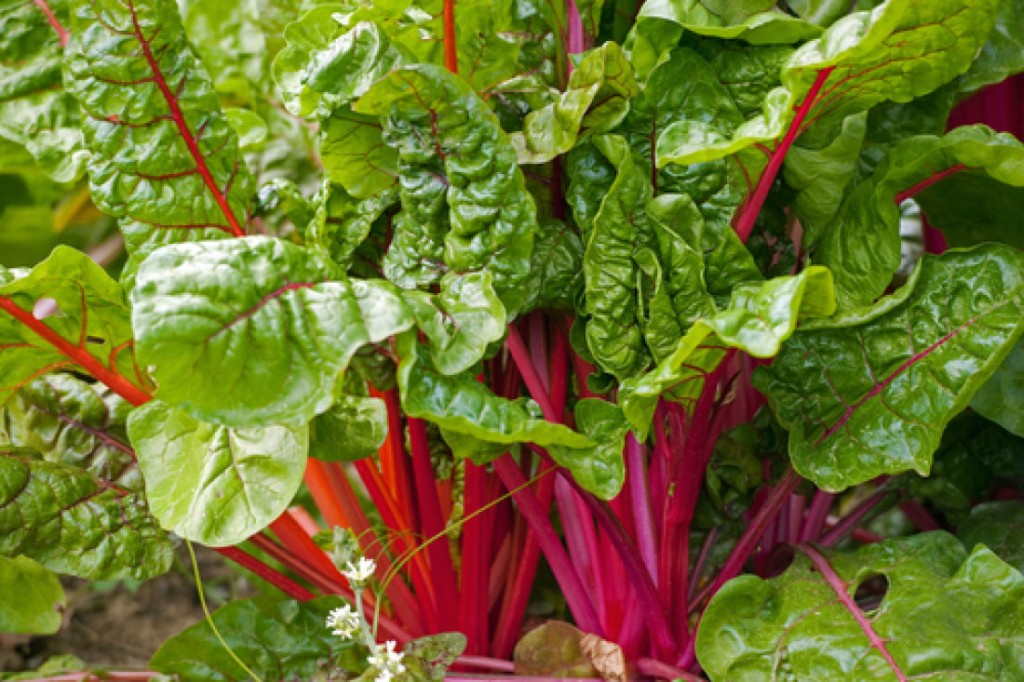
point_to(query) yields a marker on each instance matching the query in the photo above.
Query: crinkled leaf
(870, 391)
(897, 51)
(342, 224)
(77, 301)
(556, 265)
(215, 484)
(599, 469)
(73, 522)
(757, 321)
(165, 160)
(463, 195)
(945, 615)
(460, 322)
(1001, 398)
(355, 156)
(35, 598)
(35, 112)
(595, 100)
(999, 526)
(862, 246)
(430, 657)
(461, 404)
(355, 427)
(69, 421)
(278, 640)
(253, 331)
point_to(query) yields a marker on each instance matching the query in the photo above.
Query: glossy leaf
(214, 484)
(355, 155)
(556, 265)
(600, 469)
(757, 321)
(74, 522)
(463, 405)
(862, 246)
(253, 331)
(80, 305)
(165, 160)
(355, 427)
(35, 597)
(35, 111)
(896, 51)
(871, 390)
(463, 195)
(71, 422)
(1000, 397)
(1003, 54)
(595, 100)
(278, 639)
(999, 526)
(945, 615)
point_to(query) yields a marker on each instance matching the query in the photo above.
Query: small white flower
(344, 622)
(359, 574)
(387, 661)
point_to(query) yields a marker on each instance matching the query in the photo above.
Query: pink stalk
(816, 515)
(535, 514)
(441, 567)
(698, 568)
(747, 216)
(640, 498)
(919, 516)
(475, 576)
(849, 522)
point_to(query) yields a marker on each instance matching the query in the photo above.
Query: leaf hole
(871, 592)
(44, 308)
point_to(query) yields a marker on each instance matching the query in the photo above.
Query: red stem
(640, 499)
(928, 182)
(62, 33)
(79, 355)
(662, 671)
(849, 522)
(451, 56)
(815, 520)
(919, 516)
(744, 224)
(841, 590)
(475, 567)
(254, 565)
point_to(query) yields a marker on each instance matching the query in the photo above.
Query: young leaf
(463, 194)
(40, 598)
(463, 405)
(67, 311)
(74, 522)
(165, 161)
(944, 615)
(870, 391)
(69, 421)
(277, 639)
(757, 320)
(254, 331)
(214, 484)
(355, 427)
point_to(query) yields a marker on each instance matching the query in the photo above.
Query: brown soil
(119, 627)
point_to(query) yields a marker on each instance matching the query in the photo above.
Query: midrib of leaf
(220, 196)
(842, 594)
(275, 294)
(54, 21)
(907, 364)
(934, 178)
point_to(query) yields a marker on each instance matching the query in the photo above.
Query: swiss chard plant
(434, 314)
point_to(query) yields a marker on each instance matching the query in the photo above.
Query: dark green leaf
(1003, 54)
(74, 522)
(1000, 398)
(999, 526)
(871, 390)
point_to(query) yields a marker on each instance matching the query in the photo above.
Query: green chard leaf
(40, 598)
(1001, 398)
(278, 639)
(758, 319)
(214, 484)
(464, 198)
(254, 331)
(165, 160)
(72, 521)
(970, 183)
(68, 421)
(599, 469)
(460, 404)
(897, 51)
(354, 428)
(1003, 54)
(595, 100)
(945, 615)
(870, 391)
(556, 265)
(82, 313)
(355, 155)
(35, 111)
(999, 526)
